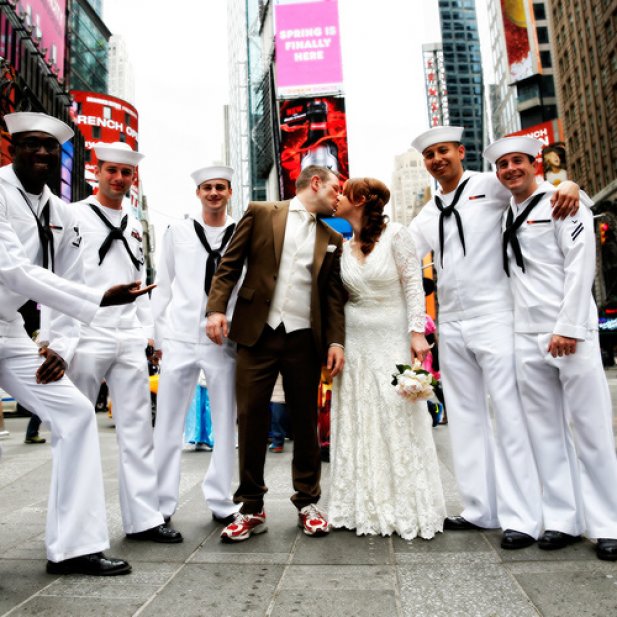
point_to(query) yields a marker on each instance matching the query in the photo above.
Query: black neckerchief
(214, 255)
(445, 212)
(46, 235)
(115, 233)
(509, 234)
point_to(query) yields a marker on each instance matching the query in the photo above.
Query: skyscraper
(463, 68)
(585, 60)
(410, 180)
(505, 117)
(237, 112)
(88, 37)
(121, 75)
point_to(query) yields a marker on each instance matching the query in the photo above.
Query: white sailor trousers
(117, 355)
(568, 407)
(494, 468)
(179, 374)
(76, 518)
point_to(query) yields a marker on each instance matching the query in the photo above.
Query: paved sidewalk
(283, 572)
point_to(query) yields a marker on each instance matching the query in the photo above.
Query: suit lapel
(321, 246)
(279, 222)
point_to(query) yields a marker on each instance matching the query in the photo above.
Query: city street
(283, 572)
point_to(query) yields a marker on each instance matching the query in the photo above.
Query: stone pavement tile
(88, 595)
(570, 588)
(580, 551)
(328, 603)
(45, 606)
(461, 591)
(20, 579)
(448, 547)
(335, 578)
(218, 590)
(270, 547)
(342, 547)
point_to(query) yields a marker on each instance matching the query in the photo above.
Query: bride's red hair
(376, 195)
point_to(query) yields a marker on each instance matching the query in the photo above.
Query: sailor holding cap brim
(43, 230)
(112, 347)
(495, 472)
(189, 257)
(551, 267)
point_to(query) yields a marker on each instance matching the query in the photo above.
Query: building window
(539, 12)
(96, 132)
(107, 113)
(542, 34)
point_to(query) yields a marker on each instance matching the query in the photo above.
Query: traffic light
(603, 232)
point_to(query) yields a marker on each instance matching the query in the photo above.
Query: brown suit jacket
(258, 242)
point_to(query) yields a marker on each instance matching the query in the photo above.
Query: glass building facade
(97, 5)
(463, 68)
(88, 45)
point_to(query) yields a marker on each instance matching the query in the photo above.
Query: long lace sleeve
(410, 274)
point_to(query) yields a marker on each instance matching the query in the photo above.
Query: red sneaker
(244, 526)
(312, 520)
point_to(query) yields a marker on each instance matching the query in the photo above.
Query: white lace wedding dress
(384, 468)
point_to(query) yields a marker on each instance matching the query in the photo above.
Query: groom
(288, 318)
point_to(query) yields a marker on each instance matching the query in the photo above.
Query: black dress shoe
(162, 534)
(458, 523)
(606, 549)
(553, 540)
(95, 564)
(512, 539)
(224, 520)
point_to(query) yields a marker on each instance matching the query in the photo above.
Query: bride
(384, 468)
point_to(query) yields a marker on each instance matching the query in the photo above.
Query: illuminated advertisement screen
(48, 21)
(313, 132)
(551, 164)
(520, 32)
(308, 48)
(105, 118)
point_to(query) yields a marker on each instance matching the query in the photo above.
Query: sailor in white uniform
(497, 482)
(191, 252)
(112, 347)
(566, 400)
(39, 228)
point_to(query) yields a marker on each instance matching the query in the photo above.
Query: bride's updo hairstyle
(376, 195)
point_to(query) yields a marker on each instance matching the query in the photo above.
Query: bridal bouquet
(413, 382)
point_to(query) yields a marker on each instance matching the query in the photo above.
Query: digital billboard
(106, 118)
(313, 132)
(551, 161)
(47, 18)
(521, 39)
(308, 48)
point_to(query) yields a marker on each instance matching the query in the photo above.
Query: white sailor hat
(506, 145)
(117, 152)
(212, 172)
(26, 121)
(437, 135)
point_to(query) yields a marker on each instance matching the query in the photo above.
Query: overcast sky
(180, 63)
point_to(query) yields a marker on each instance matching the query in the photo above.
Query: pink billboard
(308, 48)
(48, 21)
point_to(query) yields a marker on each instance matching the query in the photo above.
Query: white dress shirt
(15, 211)
(116, 268)
(554, 292)
(179, 300)
(473, 283)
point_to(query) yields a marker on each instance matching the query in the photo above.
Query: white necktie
(304, 226)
